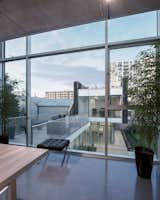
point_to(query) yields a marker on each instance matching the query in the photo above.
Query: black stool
(55, 145)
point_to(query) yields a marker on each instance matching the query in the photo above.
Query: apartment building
(59, 95)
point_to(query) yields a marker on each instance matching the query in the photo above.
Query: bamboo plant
(9, 106)
(144, 96)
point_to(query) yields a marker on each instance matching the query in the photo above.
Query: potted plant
(144, 100)
(9, 107)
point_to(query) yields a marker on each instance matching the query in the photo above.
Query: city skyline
(52, 77)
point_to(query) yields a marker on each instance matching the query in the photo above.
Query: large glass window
(77, 36)
(132, 72)
(68, 90)
(133, 27)
(15, 47)
(55, 113)
(15, 87)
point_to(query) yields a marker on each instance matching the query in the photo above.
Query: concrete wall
(83, 103)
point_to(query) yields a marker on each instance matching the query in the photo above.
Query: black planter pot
(144, 161)
(4, 139)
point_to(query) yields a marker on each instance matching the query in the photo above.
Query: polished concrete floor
(86, 179)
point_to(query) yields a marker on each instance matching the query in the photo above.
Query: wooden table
(14, 160)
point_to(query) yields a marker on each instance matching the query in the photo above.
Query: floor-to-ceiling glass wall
(139, 26)
(57, 115)
(15, 85)
(13, 91)
(129, 66)
(68, 91)
(126, 69)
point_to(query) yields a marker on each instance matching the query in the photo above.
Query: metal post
(2, 71)
(2, 55)
(107, 83)
(157, 51)
(158, 23)
(28, 93)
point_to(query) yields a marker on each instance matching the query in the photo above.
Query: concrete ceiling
(24, 17)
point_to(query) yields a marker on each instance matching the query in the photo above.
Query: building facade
(119, 70)
(59, 95)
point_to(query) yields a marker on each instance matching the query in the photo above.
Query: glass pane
(96, 106)
(115, 100)
(133, 27)
(115, 114)
(91, 139)
(15, 96)
(15, 47)
(133, 78)
(76, 36)
(65, 91)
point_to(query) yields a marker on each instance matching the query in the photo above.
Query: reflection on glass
(15, 84)
(133, 27)
(66, 89)
(76, 36)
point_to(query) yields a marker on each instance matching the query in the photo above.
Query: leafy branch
(9, 105)
(144, 94)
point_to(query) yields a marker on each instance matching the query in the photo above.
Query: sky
(58, 72)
